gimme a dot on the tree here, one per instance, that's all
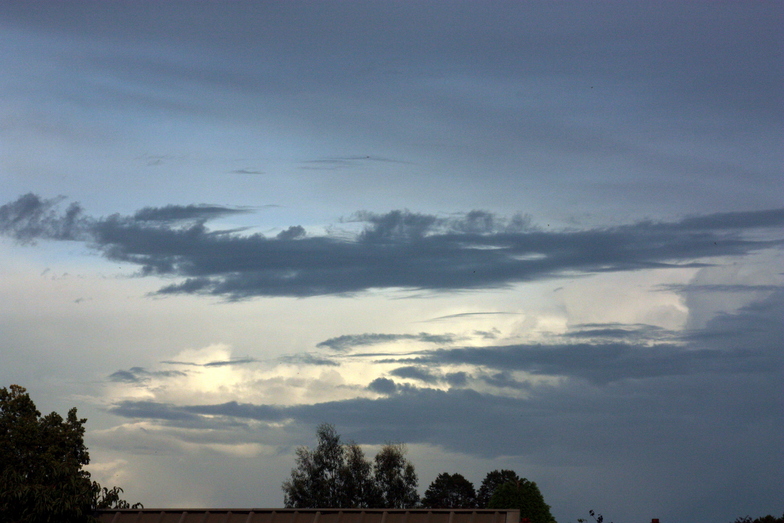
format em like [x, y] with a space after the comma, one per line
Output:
[359, 489]
[316, 481]
[598, 518]
[41, 459]
[395, 478]
[337, 475]
[490, 484]
[450, 491]
[525, 496]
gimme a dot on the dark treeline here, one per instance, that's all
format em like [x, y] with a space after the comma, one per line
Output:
[763, 519]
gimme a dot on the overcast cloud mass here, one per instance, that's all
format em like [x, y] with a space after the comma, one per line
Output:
[535, 236]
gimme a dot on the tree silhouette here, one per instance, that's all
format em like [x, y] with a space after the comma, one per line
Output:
[395, 478]
[42, 478]
[490, 484]
[525, 496]
[450, 491]
[337, 475]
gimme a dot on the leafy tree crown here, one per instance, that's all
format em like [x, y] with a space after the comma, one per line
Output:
[525, 496]
[337, 475]
[42, 479]
[450, 491]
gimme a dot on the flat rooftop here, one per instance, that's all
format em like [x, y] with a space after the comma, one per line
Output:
[327, 515]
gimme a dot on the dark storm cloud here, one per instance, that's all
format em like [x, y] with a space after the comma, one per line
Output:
[31, 217]
[175, 415]
[292, 233]
[461, 419]
[416, 373]
[599, 363]
[151, 410]
[383, 386]
[125, 376]
[757, 326]
[457, 379]
[399, 249]
[504, 380]
[348, 341]
[619, 331]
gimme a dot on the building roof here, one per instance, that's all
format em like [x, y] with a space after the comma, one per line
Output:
[266, 515]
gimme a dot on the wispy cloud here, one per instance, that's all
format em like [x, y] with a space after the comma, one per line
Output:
[309, 359]
[469, 314]
[176, 213]
[620, 332]
[344, 162]
[349, 341]
[142, 375]
[246, 171]
[218, 363]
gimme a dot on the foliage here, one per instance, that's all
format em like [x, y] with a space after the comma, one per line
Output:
[598, 518]
[337, 475]
[525, 496]
[763, 519]
[450, 491]
[359, 488]
[316, 482]
[109, 498]
[395, 478]
[41, 465]
[490, 484]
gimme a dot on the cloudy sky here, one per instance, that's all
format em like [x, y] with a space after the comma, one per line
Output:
[527, 235]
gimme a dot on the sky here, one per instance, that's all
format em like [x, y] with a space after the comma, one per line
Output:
[539, 236]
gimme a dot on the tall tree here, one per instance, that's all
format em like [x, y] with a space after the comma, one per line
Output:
[359, 488]
[395, 478]
[42, 478]
[490, 484]
[525, 496]
[337, 475]
[316, 481]
[450, 491]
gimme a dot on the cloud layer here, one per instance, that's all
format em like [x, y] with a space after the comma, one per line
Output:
[399, 249]
[444, 396]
